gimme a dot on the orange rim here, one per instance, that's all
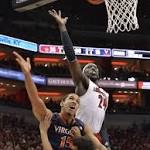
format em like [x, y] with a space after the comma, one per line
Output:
[95, 2]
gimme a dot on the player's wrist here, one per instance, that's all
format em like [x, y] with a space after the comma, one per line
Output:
[43, 131]
[26, 73]
[62, 27]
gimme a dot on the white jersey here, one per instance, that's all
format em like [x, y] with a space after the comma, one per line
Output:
[93, 105]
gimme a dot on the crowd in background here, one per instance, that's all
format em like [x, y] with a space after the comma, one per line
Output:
[132, 138]
[17, 134]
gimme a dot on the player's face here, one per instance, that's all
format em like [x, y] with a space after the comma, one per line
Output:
[71, 104]
[91, 71]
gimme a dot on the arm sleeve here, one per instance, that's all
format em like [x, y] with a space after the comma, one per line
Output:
[68, 46]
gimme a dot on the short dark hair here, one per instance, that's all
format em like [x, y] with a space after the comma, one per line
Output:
[83, 143]
[65, 96]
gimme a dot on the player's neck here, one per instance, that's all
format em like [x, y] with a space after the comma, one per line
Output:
[67, 118]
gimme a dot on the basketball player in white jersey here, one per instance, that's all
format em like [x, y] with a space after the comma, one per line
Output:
[93, 100]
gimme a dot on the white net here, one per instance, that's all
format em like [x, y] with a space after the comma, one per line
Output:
[121, 15]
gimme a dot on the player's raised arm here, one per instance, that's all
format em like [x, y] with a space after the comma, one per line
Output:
[44, 125]
[74, 65]
[38, 106]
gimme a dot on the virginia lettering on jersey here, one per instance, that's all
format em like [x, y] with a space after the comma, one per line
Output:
[60, 129]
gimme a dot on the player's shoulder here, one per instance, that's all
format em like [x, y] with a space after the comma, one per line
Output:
[97, 86]
[78, 122]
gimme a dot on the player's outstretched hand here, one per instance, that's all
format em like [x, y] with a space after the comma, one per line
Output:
[58, 17]
[24, 64]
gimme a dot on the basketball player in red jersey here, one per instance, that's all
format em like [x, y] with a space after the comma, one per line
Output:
[93, 99]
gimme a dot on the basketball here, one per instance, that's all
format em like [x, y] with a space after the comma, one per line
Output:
[95, 2]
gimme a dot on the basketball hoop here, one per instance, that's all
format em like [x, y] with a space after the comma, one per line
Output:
[121, 15]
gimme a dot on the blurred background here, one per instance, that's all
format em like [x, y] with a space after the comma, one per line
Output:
[124, 58]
